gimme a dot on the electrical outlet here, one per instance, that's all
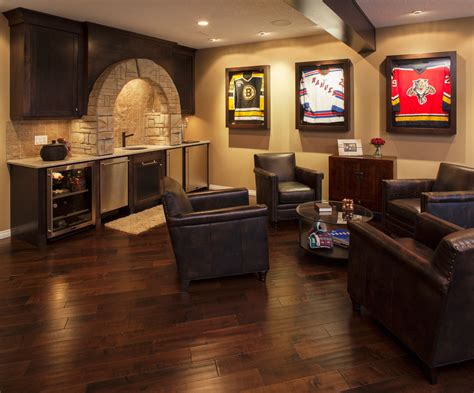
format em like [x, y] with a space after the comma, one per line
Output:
[41, 139]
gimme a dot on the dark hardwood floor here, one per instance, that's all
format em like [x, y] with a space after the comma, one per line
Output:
[102, 312]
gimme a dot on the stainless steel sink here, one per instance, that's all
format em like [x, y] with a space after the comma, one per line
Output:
[135, 148]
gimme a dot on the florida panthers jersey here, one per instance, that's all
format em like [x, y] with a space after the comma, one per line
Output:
[246, 96]
[322, 95]
[421, 96]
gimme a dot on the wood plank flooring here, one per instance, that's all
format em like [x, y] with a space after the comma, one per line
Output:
[102, 312]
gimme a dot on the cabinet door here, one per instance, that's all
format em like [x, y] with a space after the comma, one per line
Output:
[174, 164]
[196, 167]
[147, 176]
[183, 77]
[368, 184]
[55, 72]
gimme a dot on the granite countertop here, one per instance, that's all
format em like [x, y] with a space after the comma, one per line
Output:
[38, 163]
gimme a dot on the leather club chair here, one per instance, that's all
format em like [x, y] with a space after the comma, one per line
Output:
[215, 233]
[421, 288]
[281, 185]
[450, 196]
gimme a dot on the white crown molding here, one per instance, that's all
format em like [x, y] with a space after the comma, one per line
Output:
[5, 234]
[217, 187]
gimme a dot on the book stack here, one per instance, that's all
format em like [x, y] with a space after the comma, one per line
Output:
[341, 237]
[323, 208]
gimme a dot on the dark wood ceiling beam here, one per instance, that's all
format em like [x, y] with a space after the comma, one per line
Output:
[343, 19]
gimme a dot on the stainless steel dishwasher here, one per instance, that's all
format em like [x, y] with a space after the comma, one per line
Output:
[113, 184]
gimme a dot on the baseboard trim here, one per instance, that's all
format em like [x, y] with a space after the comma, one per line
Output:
[5, 234]
[217, 187]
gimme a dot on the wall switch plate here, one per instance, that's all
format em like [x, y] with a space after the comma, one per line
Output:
[41, 139]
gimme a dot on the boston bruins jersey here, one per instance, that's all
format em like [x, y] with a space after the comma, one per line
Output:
[322, 95]
[421, 96]
[246, 92]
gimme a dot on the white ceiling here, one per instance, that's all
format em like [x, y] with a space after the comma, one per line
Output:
[399, 12]
[233, 21]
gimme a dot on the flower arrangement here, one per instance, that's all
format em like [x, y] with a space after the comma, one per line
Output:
[377, 141]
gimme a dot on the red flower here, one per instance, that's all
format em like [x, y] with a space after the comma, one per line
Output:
[377, 141]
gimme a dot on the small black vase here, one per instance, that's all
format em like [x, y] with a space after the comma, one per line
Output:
[53, 152]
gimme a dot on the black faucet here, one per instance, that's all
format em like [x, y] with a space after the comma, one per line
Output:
[124, 138]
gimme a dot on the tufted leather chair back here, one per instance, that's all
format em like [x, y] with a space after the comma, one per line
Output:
[175, 200]
[281, 164]
[454, 178]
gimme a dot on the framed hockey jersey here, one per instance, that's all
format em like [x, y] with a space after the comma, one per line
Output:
[422, 93]
[247, 97]
[322, 95]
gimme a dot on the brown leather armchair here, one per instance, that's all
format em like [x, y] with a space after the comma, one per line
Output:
[281, 185]
[450, 197]
[421, 288]
[215, 233]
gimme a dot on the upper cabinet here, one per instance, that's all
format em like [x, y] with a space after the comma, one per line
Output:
[47, 66]
[183, 76]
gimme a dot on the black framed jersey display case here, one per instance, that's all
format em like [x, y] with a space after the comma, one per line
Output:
[323, 91]
[247, 97]
[421, 93]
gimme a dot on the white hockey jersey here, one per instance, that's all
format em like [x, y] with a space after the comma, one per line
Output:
[322, 95]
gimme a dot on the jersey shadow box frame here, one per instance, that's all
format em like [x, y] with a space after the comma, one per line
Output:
[247, 97]
[421, 93]
[334, 96]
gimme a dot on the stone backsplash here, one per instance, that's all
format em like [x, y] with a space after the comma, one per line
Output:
[136, 96]
[20, 136]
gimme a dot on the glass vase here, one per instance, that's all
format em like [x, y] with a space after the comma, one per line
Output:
[378, 151]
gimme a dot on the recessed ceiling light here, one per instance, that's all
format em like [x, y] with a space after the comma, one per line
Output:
[281, 22]
[203, 23]
[263, 33]
[417, 12]
[214, 39]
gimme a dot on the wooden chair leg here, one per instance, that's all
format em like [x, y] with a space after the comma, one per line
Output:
[356, 307]
[262, 276]
[431, 374]
[184, 285]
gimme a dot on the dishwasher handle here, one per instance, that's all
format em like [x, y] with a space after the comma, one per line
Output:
[114, 163]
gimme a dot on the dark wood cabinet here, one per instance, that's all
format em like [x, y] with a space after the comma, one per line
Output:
[47, 66]
[148, 171]
[183, 77]
[360, 178]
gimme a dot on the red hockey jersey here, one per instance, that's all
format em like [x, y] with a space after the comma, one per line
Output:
[421, 97]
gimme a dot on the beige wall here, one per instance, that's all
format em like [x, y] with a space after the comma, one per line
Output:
[4, 117]
[418, 156]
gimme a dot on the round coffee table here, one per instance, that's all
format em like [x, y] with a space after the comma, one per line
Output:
[308, 216]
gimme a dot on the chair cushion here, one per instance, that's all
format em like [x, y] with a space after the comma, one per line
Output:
[292, 192]
[406, 208]
[454, 178]
[416, 247]
[175, 199]
[282, 164]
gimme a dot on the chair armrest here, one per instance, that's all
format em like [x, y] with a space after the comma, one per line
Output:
[446, 197]
[267, 189]
[219, 199]
[219, 215]
[430, 230]
[311, 178]
[375, 239]
[409, 188]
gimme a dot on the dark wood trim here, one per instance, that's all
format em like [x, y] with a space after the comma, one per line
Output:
[390, 61]
[346, 65]
[344, 20]
[266, 97]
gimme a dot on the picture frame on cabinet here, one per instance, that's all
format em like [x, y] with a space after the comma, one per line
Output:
[421, 93]
[349, 147]
[323, 95]
[247, 97]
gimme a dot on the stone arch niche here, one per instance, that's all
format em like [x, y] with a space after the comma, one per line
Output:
[94, 133]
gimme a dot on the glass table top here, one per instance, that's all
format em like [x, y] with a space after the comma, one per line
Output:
[307, 210]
